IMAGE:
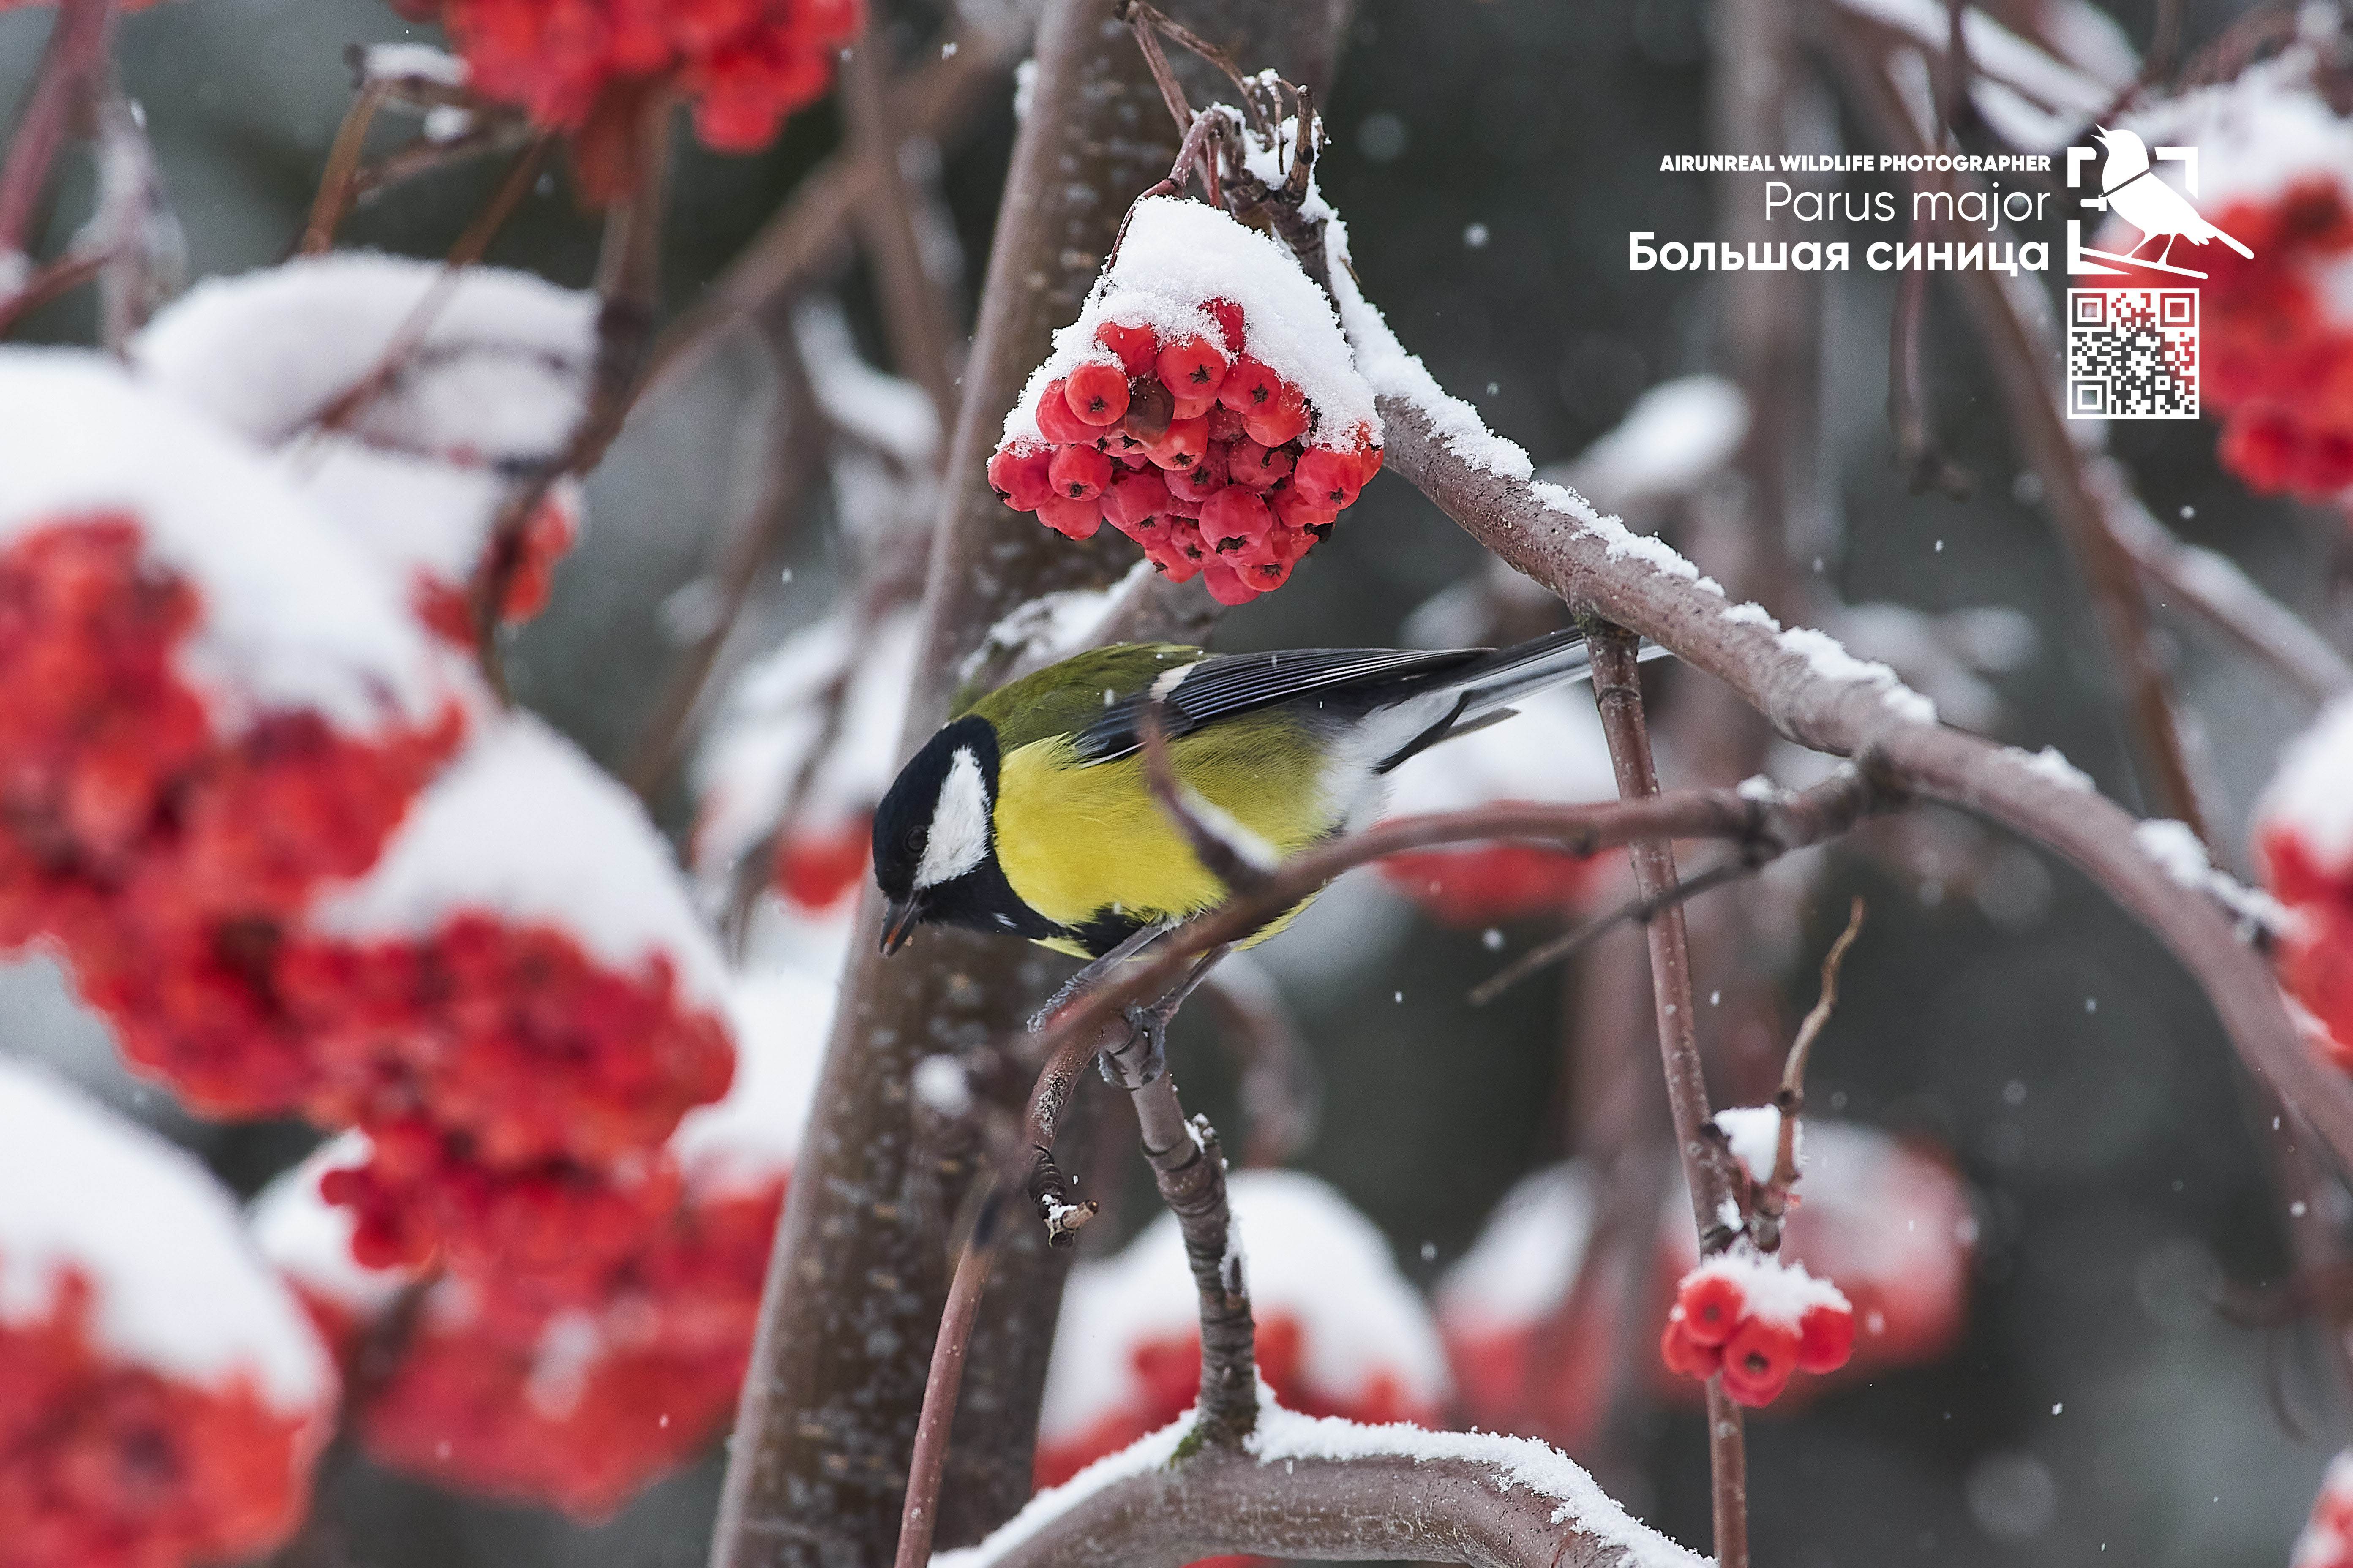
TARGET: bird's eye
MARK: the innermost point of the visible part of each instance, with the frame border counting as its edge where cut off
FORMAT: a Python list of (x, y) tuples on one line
[(913, 839)]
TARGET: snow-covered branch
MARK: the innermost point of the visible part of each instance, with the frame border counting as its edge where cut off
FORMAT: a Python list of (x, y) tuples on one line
[(1329, 1489)]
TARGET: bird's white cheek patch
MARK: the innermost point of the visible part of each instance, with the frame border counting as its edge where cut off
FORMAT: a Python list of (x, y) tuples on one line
[(959, 835)]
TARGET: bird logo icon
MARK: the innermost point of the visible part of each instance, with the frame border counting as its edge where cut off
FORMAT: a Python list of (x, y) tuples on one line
[(2129, 189)]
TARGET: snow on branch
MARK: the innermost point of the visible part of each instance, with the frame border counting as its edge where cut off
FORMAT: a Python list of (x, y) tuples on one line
[(1302, 1487)]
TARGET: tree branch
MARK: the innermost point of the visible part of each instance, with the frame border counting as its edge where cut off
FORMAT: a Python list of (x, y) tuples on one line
[(1330, 1490), (913, 314), (70, 67), (1189, 1168), (1618, 694)]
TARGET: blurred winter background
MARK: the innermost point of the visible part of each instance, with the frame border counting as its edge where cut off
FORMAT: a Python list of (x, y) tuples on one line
[(1490, 157)]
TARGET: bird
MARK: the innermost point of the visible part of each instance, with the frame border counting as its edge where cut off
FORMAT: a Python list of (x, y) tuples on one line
[(2148, 205), (1029, 813)]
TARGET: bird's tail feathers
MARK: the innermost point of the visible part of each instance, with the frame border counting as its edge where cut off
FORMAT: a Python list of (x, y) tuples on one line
[(1483, 693)]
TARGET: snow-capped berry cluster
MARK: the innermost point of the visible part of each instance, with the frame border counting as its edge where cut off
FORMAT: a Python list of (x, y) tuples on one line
[(2303, 834), (1756, 1322), (2327, 1538), (577, 1388), (1551, 753), (2277, 337), (1340, 1331), (400, 399), (518, 1027), (804, 746), (1205, 403), (589, 66), (210, 708), (164, 1399)]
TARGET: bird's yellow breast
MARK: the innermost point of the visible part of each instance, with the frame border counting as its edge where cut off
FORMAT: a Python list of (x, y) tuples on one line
[(1079, 841)]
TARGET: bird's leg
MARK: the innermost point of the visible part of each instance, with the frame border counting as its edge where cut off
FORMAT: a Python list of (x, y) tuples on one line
[(1144, 1056), (1091, 974), (2167, 254)]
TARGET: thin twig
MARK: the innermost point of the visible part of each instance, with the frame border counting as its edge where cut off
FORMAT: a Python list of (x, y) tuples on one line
[(335, 184), (793, 453), (1227, 858), (54, 281), (1185, 37), (71, 64), (919, 1514), (1641, 909), (914, 316), (133, 224), (1769, 1203), (1618, 694)]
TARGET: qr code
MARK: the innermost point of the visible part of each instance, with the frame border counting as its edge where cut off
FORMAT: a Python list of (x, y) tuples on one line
[(2132, 353)]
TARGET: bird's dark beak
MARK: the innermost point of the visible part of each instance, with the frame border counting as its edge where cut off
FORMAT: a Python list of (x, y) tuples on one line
[(898, 924)]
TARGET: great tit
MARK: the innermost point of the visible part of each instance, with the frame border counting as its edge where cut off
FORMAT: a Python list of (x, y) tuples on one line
[(1029, 813)]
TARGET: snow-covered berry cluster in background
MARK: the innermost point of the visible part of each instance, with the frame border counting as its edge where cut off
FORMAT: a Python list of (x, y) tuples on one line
[(798, 754), (1756, 1322), (210, 708), (162, 1399), (589, 66), (1340, 1331), (576, 1390), (2327, 1538), (2303, 834), (1885, 1219), (1551, 753), (1205, 403), (2275, 173), (403, 399)]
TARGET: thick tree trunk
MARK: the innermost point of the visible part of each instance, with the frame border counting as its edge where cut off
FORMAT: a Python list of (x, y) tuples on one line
[(855, 1286)]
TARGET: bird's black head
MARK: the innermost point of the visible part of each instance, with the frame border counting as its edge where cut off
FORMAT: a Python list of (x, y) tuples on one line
[(934, 840)]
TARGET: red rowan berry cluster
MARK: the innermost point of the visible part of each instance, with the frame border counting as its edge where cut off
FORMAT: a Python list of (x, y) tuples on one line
[(1551, 753), (576, 1387), (407, 450), (162, 1400), (2327, 1538), (2276, 339), (1340, 1332), (1756, 1322), (572, 64), (1205, 405), (2303, 834)]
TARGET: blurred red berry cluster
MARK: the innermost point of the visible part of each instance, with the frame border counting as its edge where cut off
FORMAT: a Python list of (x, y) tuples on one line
[(2303, 834), (1756, 1322), (1198, 451), (107, 1464), (578, 65), (159, 853), (2327, 1538)]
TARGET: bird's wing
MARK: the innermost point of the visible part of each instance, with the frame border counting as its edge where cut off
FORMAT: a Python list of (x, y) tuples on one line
[(1226, 684)]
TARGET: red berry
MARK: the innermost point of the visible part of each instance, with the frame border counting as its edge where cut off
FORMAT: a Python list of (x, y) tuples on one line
[(1289, 543), (1266, 576), (1136, 346), (1132, 498), (1184, 540), (1825, 1337), (1149, 410), (1079, 473), (1331, 477), (1258, 467), (1058, 424), (1284, 418), (1758, 1362), (1712, 1306), (1228, 317), (1173, 564), (1233, 518), (1249, 385), (1205, 479), (1181, 445), (1226, 584), (1686, 1354), (1072, 519), (1369, 463), (1298, 510), (1193, 369), (1097, 392), (1225, 426), (1017, 473)]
